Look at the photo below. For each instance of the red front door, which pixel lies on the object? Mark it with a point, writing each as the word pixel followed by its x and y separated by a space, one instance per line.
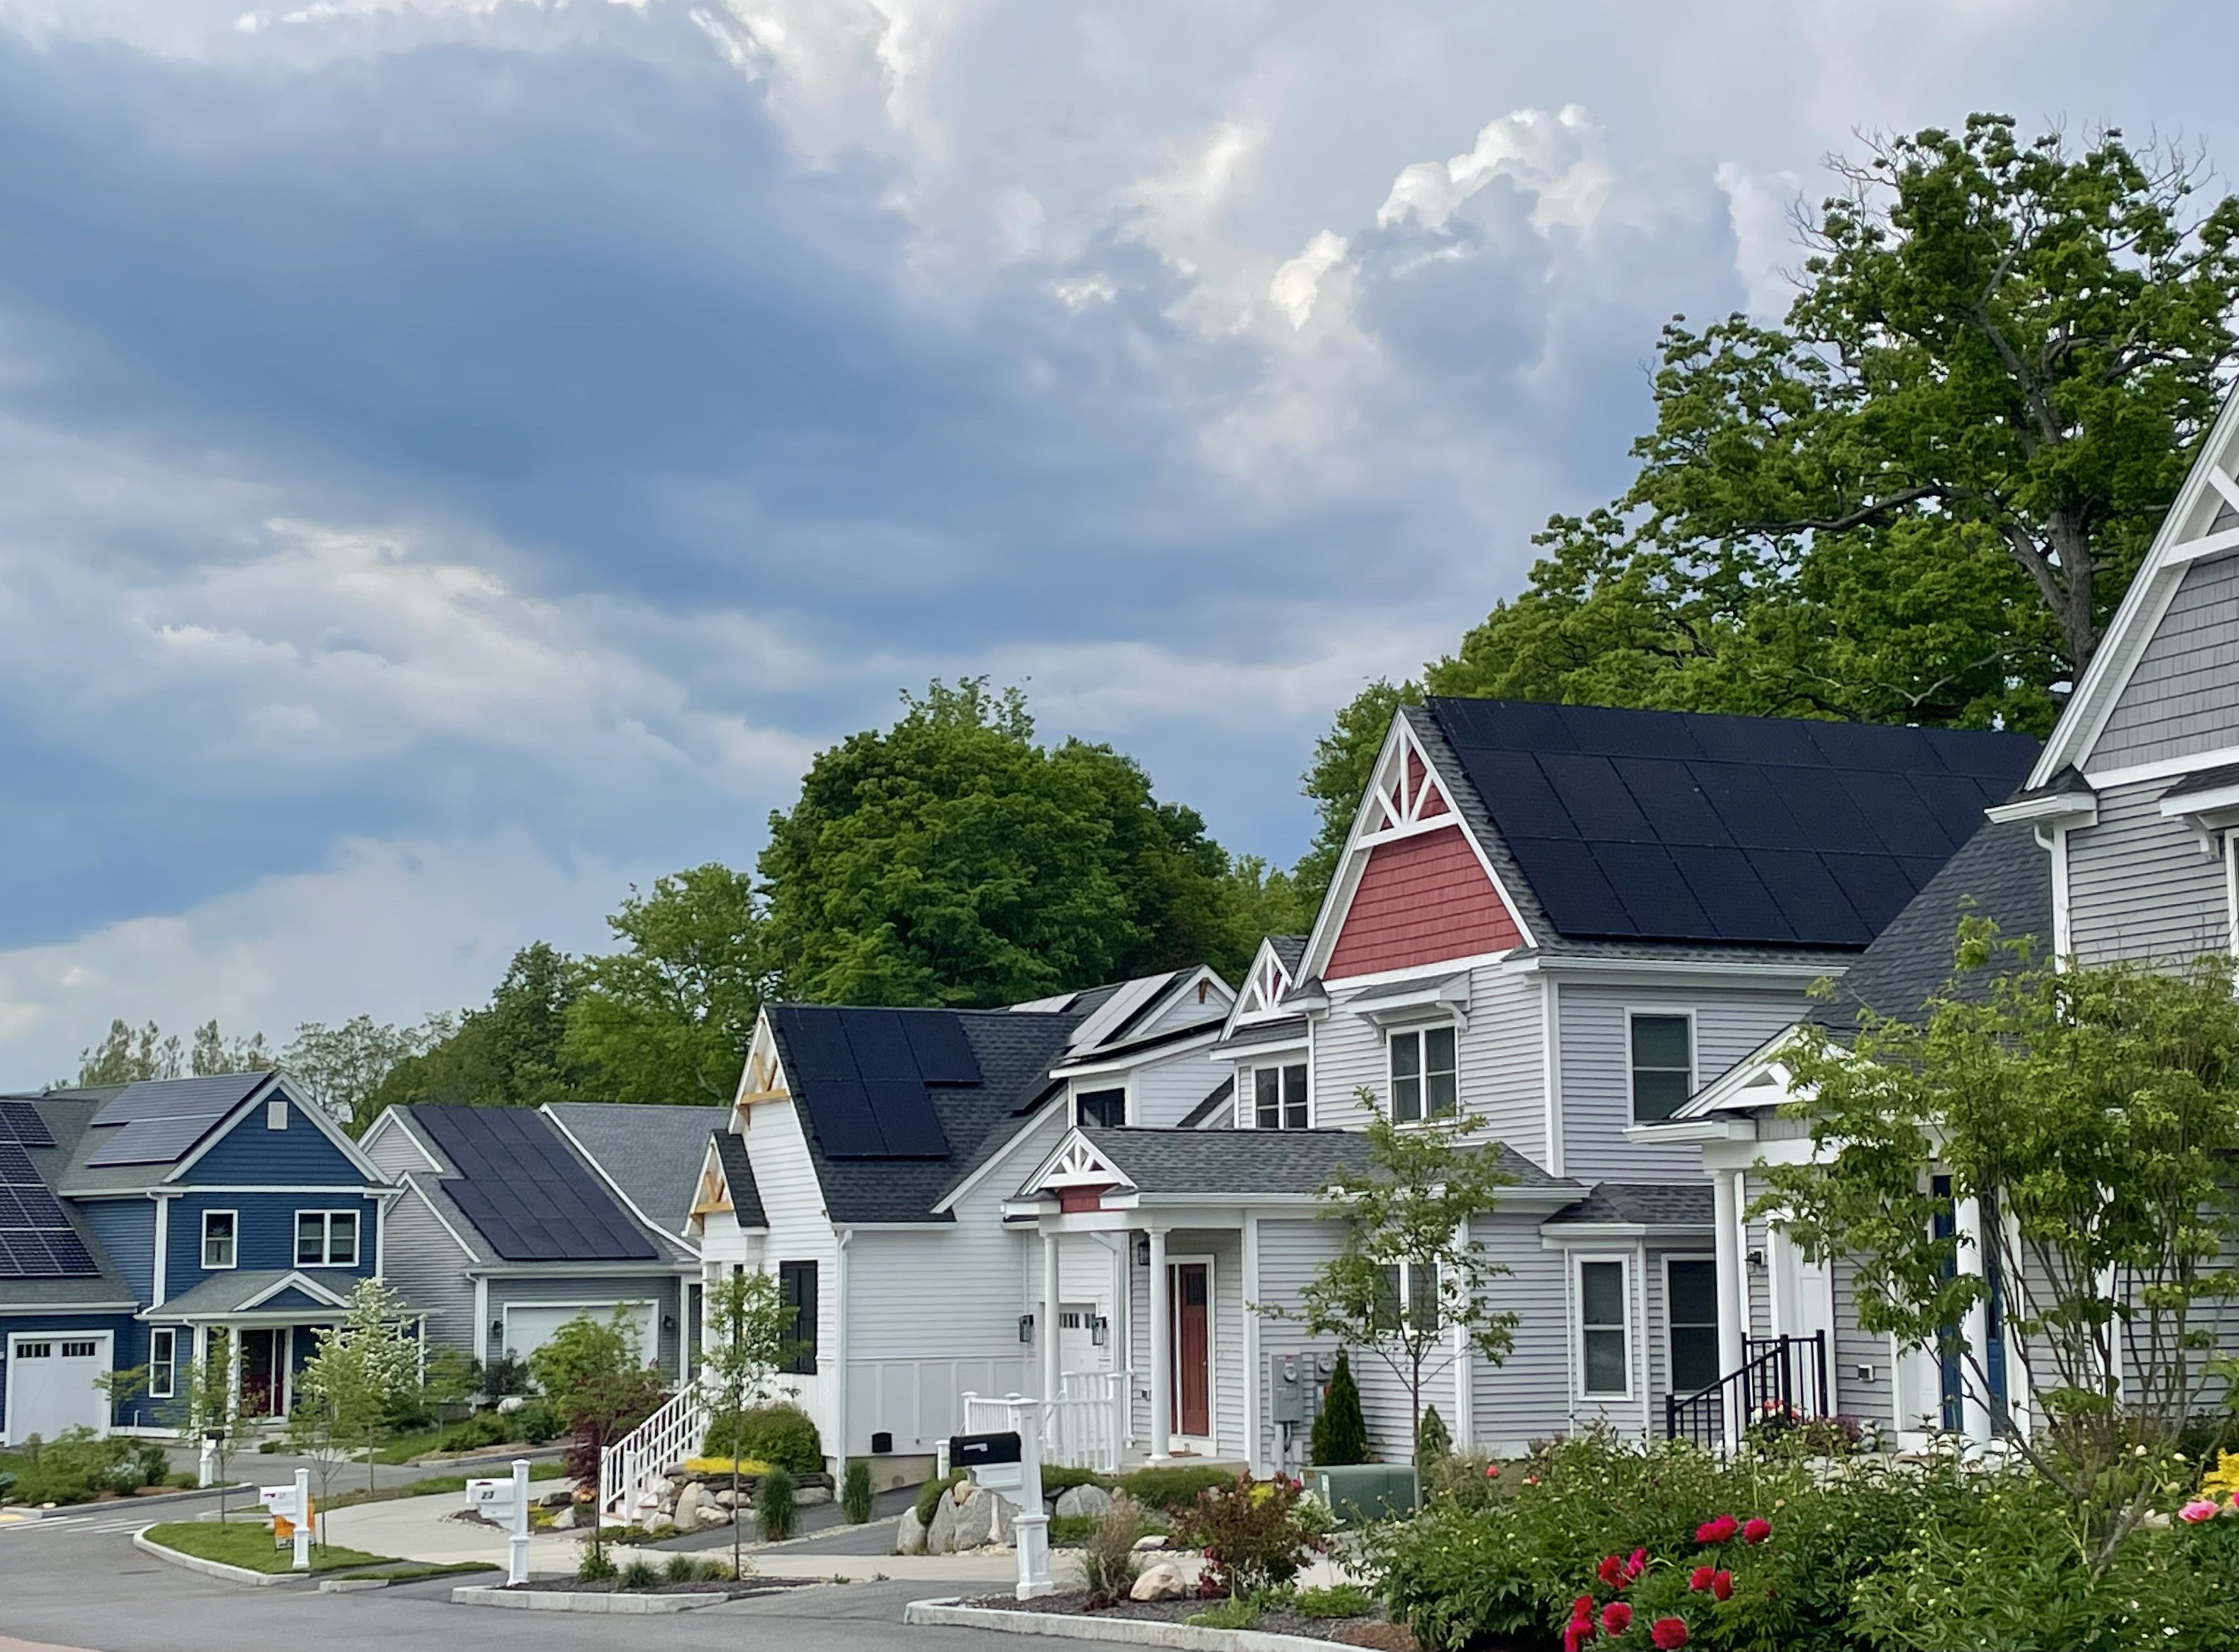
pixel 1192 1295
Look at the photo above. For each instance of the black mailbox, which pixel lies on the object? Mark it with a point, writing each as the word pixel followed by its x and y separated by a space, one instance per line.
pixel 982 1451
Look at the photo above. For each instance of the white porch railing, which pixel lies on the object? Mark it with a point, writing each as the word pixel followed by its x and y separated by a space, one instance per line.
pixel 630 1466
pixel 1086 1427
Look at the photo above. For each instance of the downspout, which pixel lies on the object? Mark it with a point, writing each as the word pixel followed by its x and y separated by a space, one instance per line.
pixel 159 1282
pixel 840 1357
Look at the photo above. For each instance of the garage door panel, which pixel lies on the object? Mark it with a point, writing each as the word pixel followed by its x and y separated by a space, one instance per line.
pixel 527 1327
pixel 50 1383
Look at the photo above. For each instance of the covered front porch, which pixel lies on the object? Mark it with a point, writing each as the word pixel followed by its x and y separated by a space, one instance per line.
pixel 268 1322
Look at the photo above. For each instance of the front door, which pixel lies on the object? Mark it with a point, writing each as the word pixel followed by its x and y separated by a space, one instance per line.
pixel 263 1372
pixel 1191 1290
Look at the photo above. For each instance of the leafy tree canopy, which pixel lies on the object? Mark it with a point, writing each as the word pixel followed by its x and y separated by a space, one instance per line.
pixel 1917 500
pixel 509 1053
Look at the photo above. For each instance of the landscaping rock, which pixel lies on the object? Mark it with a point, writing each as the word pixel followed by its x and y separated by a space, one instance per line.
pixel 809 1496
pixel 941 1536
pixel 909 1533
pixel 727 1499
pixel 689 1501
pixel 1159 1582
pixel 1150 1543
pixel 1083 1502
pixel 975 1519
pixel 660 1524
pixel 564 1520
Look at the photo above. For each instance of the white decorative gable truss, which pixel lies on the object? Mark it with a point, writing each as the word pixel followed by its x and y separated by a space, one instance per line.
pixel 1264 987
pixel 1074 1162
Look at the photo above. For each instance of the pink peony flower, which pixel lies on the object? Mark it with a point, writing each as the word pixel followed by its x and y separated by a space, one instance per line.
pixel 1617 1618
pixel 1492 1471
pixel 1530 1479
pixel 1611 1571
pixel 1580 1631
pixel 1669 1634
pixel 2198 1509
pixel 1716 1531
pixel 1636 1564
pixel 1699 1579
pixel 1722 1586
pixel 1756 1531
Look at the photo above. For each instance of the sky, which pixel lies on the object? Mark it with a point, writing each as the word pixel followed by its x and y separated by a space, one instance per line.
pixel 464 457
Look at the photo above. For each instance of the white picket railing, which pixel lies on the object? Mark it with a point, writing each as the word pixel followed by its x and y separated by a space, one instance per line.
pixel 1086 1427
pixel 630 1466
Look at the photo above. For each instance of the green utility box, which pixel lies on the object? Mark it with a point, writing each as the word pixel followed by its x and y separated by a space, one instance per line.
pixel 1360 1492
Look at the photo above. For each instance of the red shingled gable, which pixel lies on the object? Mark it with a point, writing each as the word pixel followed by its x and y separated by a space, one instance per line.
pixel 1421 899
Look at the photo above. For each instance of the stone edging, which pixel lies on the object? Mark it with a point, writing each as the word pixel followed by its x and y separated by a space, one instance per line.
pixel 141 1540
pixel 561 1600
pixel 1135 1631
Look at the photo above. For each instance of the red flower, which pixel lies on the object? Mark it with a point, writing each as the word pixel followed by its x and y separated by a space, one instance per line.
pixel 1669 1634
pixel 1756 1531
pixel 1611 1571
pixel 1716 1531
pixel 1492 1471
pixel 1700 1578
pixel 1722 1586
pixel 1617 1618
pixel 1636 1565
pixel 1580 1631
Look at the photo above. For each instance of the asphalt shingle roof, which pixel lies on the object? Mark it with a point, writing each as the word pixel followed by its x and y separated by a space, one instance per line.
pixel 233 1290
pixel 1220 1106
pixel 739 1177
pixel 653 1154
pixel 1214 1162
pixel 66 1116
pixel 1641 1205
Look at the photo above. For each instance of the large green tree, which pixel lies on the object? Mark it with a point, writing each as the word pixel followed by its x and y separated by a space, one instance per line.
pixel 1920 498
pixel 509 1053
pixel 952 859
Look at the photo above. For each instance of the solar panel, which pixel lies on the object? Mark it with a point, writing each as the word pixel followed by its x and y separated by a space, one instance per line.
pixel 840 1111
pixel 944 1055
pixel 208 1098
pixel 1672 826
pixel 882 1051
pixel 908 1122
pixel 152 1141
pixel 20 1122
pixel 816 1045
pixel 37 1241
pixel 526 1191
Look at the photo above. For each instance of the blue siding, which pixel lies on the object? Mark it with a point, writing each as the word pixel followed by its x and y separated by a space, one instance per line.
pixel 126 1228
pixel 264 1233
pixel 127 1344
pixel 301 1154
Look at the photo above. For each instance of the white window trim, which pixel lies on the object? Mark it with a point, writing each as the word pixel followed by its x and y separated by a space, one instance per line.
pixel 1663 1011
pixel 1076 1088
pixel 169 1390
pixel 234 1259
pixel 1625 1260
pixel 1249 1078
pixel 326 1257
pixel 1416 1031
pixel 1671 1385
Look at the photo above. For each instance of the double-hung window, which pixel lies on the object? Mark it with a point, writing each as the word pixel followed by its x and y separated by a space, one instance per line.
pixel 796 1289
pixel 326 1238
pixel 219 1228
pixel 1107 1109
pixel 1691 1289
pixel 1406 1298
pixel 1279 1097
pixel 1663 1051
pixel 1605 1330
pixel 162 1363
pixel 1423 1080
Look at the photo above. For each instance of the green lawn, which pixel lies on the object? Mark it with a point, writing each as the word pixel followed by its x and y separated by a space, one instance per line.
pixel 247 1543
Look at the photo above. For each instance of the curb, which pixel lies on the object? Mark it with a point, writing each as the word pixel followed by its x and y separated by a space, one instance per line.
pixel 215 1568
pixel 65 1510
pixel 1133 1632
pixel 556 1600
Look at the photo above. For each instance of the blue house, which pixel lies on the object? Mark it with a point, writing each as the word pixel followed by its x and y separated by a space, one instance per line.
pixel 135 1218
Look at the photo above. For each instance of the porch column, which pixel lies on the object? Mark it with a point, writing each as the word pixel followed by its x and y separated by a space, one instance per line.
pixel 1974 1402
pixel 1052 1362
pixel 1162 1358
pixel 1733 1289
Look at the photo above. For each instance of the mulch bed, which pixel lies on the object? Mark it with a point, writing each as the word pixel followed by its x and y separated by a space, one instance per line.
pixel 1372 1632
pixel 736 1589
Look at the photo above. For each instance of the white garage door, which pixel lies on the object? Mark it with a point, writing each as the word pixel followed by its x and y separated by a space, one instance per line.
pixel 528 1329
pixel 50 1383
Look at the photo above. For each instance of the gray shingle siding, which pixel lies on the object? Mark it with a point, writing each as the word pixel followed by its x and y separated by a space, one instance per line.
pixel 2138 886
pixel 426 1264
pixel 2183 696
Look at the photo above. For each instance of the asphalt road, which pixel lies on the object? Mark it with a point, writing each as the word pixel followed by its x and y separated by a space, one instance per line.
pixel 77 1583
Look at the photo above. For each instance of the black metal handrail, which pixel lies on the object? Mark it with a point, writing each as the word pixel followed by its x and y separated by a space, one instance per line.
pixel 1768 1383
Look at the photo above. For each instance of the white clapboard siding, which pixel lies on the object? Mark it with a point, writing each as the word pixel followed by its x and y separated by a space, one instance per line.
pixel 1526 1397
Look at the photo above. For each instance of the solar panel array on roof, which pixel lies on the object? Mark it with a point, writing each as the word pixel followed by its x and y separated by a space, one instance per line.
pixel 521 1186
pixel 158 1119
pixel 866 1075
pixel 37 1241
pixel 1678 825
pixel 20 1122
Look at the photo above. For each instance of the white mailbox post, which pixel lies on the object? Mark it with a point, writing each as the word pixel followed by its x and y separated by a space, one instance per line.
pixel 1010 1463
pixel 293 1504
pixel 506 1503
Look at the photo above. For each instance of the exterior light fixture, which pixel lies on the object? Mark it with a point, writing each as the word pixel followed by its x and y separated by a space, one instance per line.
pixel 1099 1331
pixel 1026 1328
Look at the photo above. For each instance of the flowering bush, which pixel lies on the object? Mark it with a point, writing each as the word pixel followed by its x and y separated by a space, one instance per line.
pixel 1256 1533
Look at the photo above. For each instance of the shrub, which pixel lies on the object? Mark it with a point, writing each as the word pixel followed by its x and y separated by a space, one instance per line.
pixel 1109 1564
pixel 1341 1431
pixel 781 1436
pixel 1174 1486
pixel 1228 1615
pixel 1070 1531
pixel 855 1495
pixel 1256 1533
pixel 1467 1481
pixel 637 1575
pixel 537 1422
pixel 930 1494
pixel 484 1428
pixel 77 1466
pixel 681 1568
pixel 774 1507
pixel 594 1567
pixel 1782 1428
pixel 1339 1600
pixel 1432 1443
pixel 1057 1477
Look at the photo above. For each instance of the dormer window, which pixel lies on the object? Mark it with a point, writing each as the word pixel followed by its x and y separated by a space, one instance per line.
pixel 1424 1084
pixel 1102 1108
pixel 1278 1097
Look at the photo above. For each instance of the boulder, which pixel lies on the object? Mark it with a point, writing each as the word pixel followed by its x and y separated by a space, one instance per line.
pixel 659 1525
pixel 690 1503
pixel 941 1536
pixel 975 1519
pixel 727 1498
pixel 809 1496
pixel 1159 1582
pixel 1083 1502
pixel 1149 1541
pixel 564 1519
pixel 909 1533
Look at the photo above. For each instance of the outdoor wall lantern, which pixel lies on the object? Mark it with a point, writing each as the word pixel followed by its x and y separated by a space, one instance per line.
pixel 668 1322
pixel 1026 1328
pixel 497 1331
pixel 1142 1253
pixel 1099 1331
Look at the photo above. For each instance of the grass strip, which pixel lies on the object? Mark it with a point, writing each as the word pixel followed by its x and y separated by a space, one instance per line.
pixel 250 1545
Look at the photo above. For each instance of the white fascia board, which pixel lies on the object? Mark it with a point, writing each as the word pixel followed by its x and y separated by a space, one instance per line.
pixel 1695 1131
pixel 1570 1236
pixel 2202 803
pixel 2166 768
pixel 1773 972
pixel 1036 1119
pixel 2053 809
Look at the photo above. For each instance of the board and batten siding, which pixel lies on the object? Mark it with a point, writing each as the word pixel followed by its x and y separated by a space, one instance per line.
pixel 2139 887
pixel 1594 1044
pixel 1498 1061
pixel 421 1259
pixel 2183 696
